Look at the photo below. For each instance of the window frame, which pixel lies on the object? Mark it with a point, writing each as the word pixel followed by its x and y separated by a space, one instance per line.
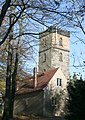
pixel 59 82
pixel 53 101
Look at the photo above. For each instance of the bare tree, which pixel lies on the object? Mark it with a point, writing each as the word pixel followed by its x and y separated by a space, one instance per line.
pixel 62 13
pixel 35 15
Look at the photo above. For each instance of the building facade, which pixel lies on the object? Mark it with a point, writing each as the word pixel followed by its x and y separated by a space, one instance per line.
pixel 54 50
pixel 43 94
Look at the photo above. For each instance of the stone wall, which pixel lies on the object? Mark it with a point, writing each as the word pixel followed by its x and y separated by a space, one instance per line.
pixel 64 64
pixel 45 52
pixel 29 103
pixel 52 90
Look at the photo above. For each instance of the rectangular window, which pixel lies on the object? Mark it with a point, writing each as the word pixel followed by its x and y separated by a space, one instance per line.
pixel 53 101
pixel 59 81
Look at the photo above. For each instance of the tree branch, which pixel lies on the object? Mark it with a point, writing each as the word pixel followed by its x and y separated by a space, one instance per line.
pixel 9 29
pixel 4 10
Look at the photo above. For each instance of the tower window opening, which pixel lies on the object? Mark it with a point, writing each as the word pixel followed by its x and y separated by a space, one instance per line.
pixel 44 42
pixel 44 57
pixel 60 57
pixel 61 42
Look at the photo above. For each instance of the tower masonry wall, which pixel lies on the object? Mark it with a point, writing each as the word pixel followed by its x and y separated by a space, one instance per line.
pixel 54 43
pixel 64 64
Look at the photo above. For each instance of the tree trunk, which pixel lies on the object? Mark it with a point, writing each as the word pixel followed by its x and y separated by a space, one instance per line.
pixel 8 85
pixel 13 87
pixel 11 78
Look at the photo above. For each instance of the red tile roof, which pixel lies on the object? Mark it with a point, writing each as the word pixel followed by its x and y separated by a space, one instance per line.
pixel 42 81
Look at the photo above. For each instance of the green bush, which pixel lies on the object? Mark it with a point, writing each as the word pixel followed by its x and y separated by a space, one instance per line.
pixel 76 100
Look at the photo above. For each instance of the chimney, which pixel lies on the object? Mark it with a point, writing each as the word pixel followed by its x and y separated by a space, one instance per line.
pixel 35 77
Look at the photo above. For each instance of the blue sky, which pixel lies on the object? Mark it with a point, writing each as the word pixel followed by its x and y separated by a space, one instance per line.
pixel 77 54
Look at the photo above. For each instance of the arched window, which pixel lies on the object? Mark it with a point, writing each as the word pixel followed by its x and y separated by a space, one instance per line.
pixel 60 57
pixel 61 42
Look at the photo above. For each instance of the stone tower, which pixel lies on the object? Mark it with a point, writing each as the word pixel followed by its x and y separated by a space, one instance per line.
pixel 54 50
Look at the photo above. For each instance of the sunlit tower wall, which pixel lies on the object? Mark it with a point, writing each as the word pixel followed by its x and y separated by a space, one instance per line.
pixel 54 50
